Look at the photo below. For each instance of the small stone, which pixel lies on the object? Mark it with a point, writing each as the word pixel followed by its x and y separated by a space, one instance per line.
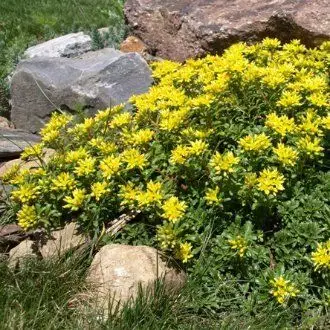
pixel 133 45
pixel 24 250
pixel 62 241
pixel 5 123
pixel 117 271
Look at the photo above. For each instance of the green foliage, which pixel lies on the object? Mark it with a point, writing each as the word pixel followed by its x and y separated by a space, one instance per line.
pixel 26 22
pixel 225 158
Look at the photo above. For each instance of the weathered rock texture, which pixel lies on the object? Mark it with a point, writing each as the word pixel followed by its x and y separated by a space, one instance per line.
pixel 70 45
pixel 24 250
pixel 61 241
pixel 94 81
pixel 188 28
pixel 117 271
pixel 13 142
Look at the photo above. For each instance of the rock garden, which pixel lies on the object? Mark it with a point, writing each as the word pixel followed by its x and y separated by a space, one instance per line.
pixel 166 166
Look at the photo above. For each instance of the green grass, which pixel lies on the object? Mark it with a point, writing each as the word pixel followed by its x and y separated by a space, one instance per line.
pixel 39 296
pixel 26 22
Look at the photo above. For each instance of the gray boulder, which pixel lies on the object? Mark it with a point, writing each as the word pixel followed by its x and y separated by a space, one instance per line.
pixel 70 45
pixel 188 28
pixel 93 81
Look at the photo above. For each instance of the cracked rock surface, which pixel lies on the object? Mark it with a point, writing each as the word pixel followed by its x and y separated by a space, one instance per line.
pixel 93 81
pixel 182 29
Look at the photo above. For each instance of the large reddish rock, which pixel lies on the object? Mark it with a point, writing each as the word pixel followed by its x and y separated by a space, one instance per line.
pixel 188 28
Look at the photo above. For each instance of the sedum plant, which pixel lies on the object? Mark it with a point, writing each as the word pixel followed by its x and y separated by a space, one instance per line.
pixel 216 151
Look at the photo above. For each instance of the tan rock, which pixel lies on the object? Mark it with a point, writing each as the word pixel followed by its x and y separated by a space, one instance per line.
pixel 133 45
pixel 5 123
pixel 61 241
pixel 26 164
pixel 117 271
pixel 24 250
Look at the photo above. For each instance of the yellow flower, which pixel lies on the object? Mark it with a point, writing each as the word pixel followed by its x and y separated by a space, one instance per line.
pixel 64 181
pixel 192 133
pixel 310 123
pixel 286 155
pixel 326 122
pixel 122 119
pixel 50 132
pixel 173 209
pixel 128 193
pixel 163 68
pixel 85 166
pixel 319 99
pixel 152 195
pixel 289 99
pixel 180 154
pixel 197 147
pixel 223 163
pixel 51 136
pixel 309 146
pixel 270 181
pixel 139 137
pixel 239 244
pixel 280 124
pixel 257 142
pixel 27 217
pixel 25 193
pixel 84 127
pixel 166 236
pixel 282 290
pixel 75 155
pixel 171 120
pixel 134 159
pixel 321 257
pixel 105 147
pixel 110 166
pixel 183 252
pixel 212 196
pixel 99 189
pixel 10 174
pixel 250 180
pixel 75 202
pixel 35 151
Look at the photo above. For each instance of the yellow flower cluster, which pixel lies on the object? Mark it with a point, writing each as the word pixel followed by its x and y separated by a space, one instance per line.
pixel 270 181
pixel 173 209
pixel 224 162
pixel 182 152
pixel 183 252
pixel 239 244
pixel 258 142
pixel 212 196
pixel 27 217
pixel 282 290
pixel 75 202
pixel 230 120
pixel 321 257
pixel 286 155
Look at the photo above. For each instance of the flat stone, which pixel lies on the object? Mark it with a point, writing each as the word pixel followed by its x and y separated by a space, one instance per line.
pixel 93 81
pixel 24 250
pixel 13 142
pixel 182 29
pixel 62 241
